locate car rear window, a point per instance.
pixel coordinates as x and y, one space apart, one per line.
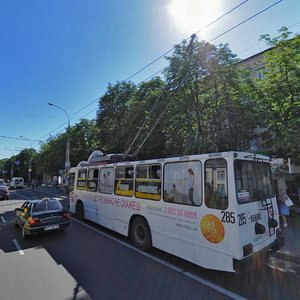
47 206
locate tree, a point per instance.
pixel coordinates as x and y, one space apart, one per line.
112 116
211 102
84 140
280 93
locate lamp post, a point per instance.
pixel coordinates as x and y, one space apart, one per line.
30 158
67 161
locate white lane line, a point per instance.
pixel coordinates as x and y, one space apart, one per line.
214 286
27 198
168 265
3 220
21 252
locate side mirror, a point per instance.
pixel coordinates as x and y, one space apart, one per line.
18 209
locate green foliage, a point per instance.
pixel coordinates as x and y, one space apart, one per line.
280 91
205 103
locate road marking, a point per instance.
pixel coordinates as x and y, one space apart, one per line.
214 286
27 198
168 265
21 252
3 220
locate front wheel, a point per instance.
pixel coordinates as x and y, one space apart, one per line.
80 210
141 234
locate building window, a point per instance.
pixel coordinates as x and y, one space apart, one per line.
260 73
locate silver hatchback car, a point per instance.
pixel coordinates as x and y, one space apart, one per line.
4 192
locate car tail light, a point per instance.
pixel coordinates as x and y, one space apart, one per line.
32 221
66 216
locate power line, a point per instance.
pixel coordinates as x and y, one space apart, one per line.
20 139
163 55
273 35
243 22
206 26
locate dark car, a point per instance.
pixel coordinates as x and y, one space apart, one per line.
4 193
43 215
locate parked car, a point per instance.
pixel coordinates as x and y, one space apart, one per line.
17 183
43 215
4 192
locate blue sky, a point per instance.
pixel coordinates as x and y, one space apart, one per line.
67 51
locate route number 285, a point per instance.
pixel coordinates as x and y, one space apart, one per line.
228 217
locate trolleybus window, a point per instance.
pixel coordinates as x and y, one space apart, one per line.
92 180
182 182
71 182
253 181
81 180
106 180
216 183
124 181
147 182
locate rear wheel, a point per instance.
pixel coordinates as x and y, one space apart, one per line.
80 210
141 234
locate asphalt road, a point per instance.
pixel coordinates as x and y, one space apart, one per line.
90 262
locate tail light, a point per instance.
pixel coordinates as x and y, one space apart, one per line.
66 216
32 221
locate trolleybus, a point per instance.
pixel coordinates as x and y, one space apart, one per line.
216 210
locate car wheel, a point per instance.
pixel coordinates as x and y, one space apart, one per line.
24 233
15 223
141 234
80 210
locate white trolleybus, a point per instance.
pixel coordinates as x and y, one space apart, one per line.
216 210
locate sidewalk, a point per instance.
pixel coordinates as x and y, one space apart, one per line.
291 249
289 252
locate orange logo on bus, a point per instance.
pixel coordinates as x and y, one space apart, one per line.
212 228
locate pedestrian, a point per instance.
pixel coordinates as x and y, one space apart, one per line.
284 210
32 183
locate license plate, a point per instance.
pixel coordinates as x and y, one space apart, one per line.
51 227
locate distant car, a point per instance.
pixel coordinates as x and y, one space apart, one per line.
43 215
17 183
4 193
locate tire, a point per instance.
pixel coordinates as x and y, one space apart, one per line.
24 233
141 234
80 210
16 223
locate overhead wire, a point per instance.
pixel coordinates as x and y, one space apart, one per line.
167 52
172 78
206 26
151 63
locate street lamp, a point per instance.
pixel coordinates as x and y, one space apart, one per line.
67 162
30 158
